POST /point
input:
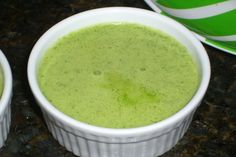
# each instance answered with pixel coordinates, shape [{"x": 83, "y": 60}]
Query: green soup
[{"x": 118, "y": 75}]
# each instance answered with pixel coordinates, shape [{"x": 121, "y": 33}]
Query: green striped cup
[{"x": 213, "y": 19}]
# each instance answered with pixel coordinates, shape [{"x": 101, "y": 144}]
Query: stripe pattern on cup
[{"x": 213, "y": 19}]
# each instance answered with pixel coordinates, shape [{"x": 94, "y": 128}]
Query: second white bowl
[{"x": 5, "y": 99}]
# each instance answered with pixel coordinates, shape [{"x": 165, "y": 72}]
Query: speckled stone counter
[{"x": 211, "y": 134}]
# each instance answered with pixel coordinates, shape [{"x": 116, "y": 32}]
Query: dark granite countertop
[{"x": 211, "y": 134}]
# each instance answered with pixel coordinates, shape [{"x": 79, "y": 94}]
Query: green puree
[{"x": 118, "y": 75}]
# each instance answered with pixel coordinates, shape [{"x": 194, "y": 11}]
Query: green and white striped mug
[{"x": 213, "y": 19}]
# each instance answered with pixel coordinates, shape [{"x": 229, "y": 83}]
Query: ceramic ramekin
[
  {"x": 5, "y": 99},
  {"x": 90, "y": 141}
]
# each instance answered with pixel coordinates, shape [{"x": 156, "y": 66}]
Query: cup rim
[
  {"x": 177, "y": 117},
  {"x": 7, "y": 83}
]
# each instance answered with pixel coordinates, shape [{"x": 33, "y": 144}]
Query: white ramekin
[
  {"x": 5, "y": 99},
  {"x": 90, "y": 141}
]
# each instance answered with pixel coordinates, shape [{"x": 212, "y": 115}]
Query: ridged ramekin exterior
[
  {"x": 85, "y": 144},
  {"x": 5, "y": 121}
]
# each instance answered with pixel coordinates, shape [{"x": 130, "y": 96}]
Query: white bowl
[
  {"x": 5, "y": 99},
  {"x": 90, "y": 141}
]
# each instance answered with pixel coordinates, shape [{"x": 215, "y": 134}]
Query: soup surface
[{"x": 118, "y": 75}]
